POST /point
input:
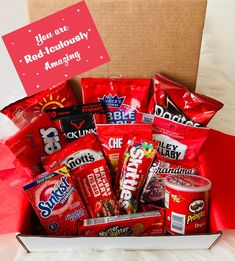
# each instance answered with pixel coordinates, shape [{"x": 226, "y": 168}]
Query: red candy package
[
  {"x": 135, "y": 162},
  {"x": 77, "y": 121},
  {"x": 56, "y": 202},
  {"x": 123, "y": 97},
  {"x": 175, "y": 102},
  {"x": 111, "y": 137},
  {"x": 94, "y": 182},
  {"x": 140, "y": 224},
  {"x": 153, "y": 192},
  {"x": 28, "y": 109},
  {"x": 178, "y": 141},
  {"x": 77, "y": 153},
  {"x": 36, "y": 140}
]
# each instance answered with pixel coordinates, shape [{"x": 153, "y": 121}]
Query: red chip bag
[
  {"x": 77, "y": 153},
  {"x": 177, "y": 141},
  {"x": 123, "y": 97},
  {"x": 175, "y": 102},
  {"x": 28, "y": 109},
  {"x": 136, "y": 159},
  {"x": 56, "y": 202},
  {"x": 94, "y": 182},
  {"x": 111, "y": 137},
  {"x": 36, "y": 140}
]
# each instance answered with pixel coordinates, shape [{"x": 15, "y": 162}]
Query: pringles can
[{"x": 186, "y": 204}]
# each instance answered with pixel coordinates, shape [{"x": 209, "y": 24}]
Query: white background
[{"x": 219, "y": 35}]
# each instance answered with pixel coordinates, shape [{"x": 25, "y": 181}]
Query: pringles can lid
[{"x": 187, "y": 183}]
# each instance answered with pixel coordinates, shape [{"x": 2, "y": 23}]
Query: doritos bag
[
  {"x": 28, "y": 109},
  {"x": 123, "y": 97},
  {"x": 175, "y": 102}
]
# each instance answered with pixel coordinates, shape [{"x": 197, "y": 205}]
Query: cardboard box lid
[{"x": 143, "y": 37}]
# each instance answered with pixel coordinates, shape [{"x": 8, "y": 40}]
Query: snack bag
[
  {"x": 25, "y": 111},
  {"x": 123, "y": 97},
  {"x": 94, "y": 182},
  {"x": 36, "y": 140},
  {"x": 77, "y": 121},
  {"x": 111, "y": 137},
  {"x": 139, "y": 224},
  {"x": 153, "y": 192},
  {"x": 56, "y": 202},
  {"x": 135, "y": 161},
  {"x": 177, "y": 141},
  {"x": 175, "y": 102},
  {"x": 75, "y": 154}
]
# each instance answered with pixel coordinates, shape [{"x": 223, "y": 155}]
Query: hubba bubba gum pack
[
  {"x": 56, "y": 202},
  {"x": 123, "y": 97},
  {"x": 77, "y": 121},
  {"x": 109, "y": 180}
]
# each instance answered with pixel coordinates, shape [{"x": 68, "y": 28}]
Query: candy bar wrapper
[
  {"x": 56, "y": 202},
  {"x": 175, "y": 102},
  {"x": 94, "y": 182},
  {"x": 77, "y": 121},
  {"x": 80, "y": 152},
  {"x": 112, "y": 137},
  {"x": 136, "y": 159},
  {"x": 25, "y": 111},
  {"x": 36, "y": 140},
  {"x": 123, "y": 97},
  {"x": 140, "y": 224},
  {"x": 153, "y": 192}
]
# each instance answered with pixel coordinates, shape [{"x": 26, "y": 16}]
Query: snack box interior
[{"x": 175, "y": 29}]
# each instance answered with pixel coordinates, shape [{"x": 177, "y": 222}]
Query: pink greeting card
[{"x": 56, "y": 48}]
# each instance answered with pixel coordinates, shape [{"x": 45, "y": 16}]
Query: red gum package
[
  {"x": 111, "y": 137},
  {"x": 28, "y": 109},
  {"x": 56, "y": 202},
  {"x": 77, "y": 121},
  {"x": 154, "y": 189},
  {"x": 94, "y": 182},
  {"x": 77, "y": 153},
  {"x": 177, "y": 141},
  {"x": 36, "y": 140},
  {"x": 140, "y": 224},
  {"x": 175, "y": 102},
  {"x": 134, "y": 163},
  {"x": 123, "y": 97}
]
